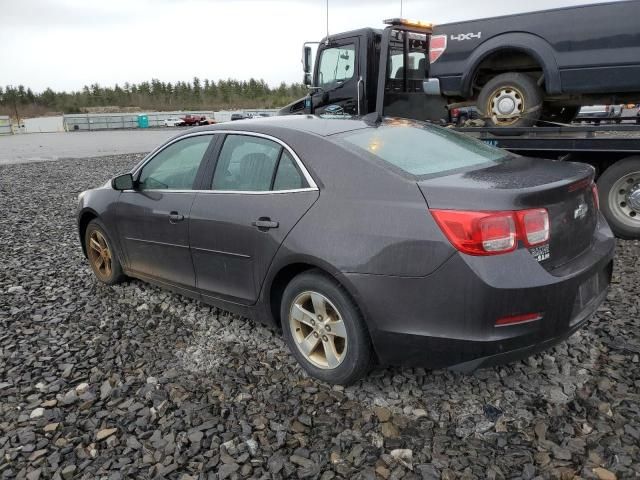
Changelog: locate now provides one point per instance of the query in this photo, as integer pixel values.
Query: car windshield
(421, 149)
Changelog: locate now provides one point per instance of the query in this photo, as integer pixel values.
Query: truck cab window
(416, 62)
(337, 65)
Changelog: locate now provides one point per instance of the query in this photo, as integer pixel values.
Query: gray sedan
(389, 242)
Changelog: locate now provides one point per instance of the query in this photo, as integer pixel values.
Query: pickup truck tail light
(493, 233)
(437, 47)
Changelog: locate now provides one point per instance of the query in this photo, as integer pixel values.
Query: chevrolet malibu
(392, 242)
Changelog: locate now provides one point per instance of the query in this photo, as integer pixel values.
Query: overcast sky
(65, 44)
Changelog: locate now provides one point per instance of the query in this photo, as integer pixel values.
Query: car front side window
(175, 167)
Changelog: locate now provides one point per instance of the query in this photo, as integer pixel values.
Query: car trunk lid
(563, 188)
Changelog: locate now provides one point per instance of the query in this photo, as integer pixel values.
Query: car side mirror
(123, 182)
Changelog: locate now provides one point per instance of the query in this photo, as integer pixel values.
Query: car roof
(322, 126)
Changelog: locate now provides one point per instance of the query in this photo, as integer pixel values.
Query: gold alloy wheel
(318, 330)
(505, 106)
(99, 255)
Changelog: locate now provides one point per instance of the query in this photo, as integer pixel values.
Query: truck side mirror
(306, 80)
(306, 59)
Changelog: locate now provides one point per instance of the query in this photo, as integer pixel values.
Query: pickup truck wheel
(511, 100)
(619, 188)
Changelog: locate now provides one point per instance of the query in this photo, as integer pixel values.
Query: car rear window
(421, 149)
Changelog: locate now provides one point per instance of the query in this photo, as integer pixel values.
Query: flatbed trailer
(623, 139)
(613, 150)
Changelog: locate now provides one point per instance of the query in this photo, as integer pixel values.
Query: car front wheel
(102, 257)
(325, 330)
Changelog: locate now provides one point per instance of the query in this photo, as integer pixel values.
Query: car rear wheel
(324, 329)
(619, 188)
(511, 100)
(102, 257)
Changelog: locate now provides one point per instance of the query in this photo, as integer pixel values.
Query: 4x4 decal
(466, 36)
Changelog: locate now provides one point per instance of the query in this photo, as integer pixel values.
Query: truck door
(338, 78)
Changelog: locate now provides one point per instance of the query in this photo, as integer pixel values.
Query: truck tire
(511, 100)
(619, 192)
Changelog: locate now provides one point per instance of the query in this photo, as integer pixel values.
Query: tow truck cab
(369, 70)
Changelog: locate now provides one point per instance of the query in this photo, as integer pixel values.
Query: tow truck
(385, 73)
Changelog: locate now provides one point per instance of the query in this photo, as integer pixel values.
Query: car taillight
(596, 196)
(437, 47)
(493, 233)
(535, 226)
(478, 233)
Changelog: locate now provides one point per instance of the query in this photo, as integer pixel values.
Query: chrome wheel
(100, 255)
(624, 199)
(506, 106)
(318, 330)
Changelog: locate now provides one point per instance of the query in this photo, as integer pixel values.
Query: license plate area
(588, 291)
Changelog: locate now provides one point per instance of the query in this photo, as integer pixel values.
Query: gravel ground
(135, 382)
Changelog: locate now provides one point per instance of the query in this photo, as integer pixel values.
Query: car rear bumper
(447, 319)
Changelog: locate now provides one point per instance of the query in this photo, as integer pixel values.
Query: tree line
(193, 95)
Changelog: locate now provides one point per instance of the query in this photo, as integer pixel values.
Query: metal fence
(5, 125)
(109, 121)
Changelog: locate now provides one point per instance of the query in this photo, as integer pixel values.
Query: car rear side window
(175, 167)
(252, 164)
(288, 177)
(421, 149)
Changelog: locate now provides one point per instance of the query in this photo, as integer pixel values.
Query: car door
(337, 77)
(258, 192)
(153, 219)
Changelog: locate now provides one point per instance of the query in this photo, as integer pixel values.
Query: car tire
(103, 258)
(337, 348)
(515, 93)
(615, 186)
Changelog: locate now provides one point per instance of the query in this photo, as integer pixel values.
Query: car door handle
(265, 223)
(175, 217)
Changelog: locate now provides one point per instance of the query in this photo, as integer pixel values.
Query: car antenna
(327, 37)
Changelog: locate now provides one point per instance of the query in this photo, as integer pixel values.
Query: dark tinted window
(288, 177)
(246, 164)
(176, 166)
(421, 149)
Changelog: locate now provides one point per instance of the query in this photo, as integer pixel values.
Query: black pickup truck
(520, 68)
